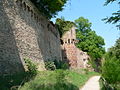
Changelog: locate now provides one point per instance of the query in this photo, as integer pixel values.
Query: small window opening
(69, 41)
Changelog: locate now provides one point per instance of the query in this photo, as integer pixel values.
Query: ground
(92, 84)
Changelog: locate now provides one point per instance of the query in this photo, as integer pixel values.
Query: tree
(115, 18)
(89, 41)
(111, 66)
(115, 50)
(63, 26)
(50, 8)
(83, 24)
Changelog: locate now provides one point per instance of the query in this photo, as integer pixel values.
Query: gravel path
(92, 84)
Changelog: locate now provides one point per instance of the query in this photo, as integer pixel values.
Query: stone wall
(25, 33)
(70, 54)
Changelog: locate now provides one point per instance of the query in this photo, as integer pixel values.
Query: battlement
(69, 37)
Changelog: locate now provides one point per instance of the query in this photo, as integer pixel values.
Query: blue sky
(94, 10)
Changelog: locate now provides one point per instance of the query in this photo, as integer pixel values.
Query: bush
(61, 64)
(32, 67)
(111, 71)
(49, 65)
(52, 65)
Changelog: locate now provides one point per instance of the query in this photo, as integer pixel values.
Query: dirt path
(92, 84)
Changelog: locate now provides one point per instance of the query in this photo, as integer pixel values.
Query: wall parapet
(27, 5)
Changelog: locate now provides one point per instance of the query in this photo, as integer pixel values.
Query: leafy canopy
(109, 1)
(115, 18)
(83, 24)
(63, 26)
(114, 51)
(50, 8)
(89, 41)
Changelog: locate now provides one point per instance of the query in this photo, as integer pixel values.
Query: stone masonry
(70, 53)
(25, 33)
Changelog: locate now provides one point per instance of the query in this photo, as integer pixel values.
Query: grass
(46, 80)
(14, 80)
(79, 79)
(6, 82)
(58, 80)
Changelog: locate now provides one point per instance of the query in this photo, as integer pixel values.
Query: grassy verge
(46, 80)
(58, 80)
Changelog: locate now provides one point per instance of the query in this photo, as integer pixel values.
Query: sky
(95, 11)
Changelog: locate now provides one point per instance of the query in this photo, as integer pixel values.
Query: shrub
(61, 64)
(56, 64)
(32, 67)
(111, 71)
(49, 65)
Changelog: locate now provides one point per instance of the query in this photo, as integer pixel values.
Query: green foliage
(104, 85)
(89, 41)
(86, 71)
(115, 18)
(109, 1)
(63, 26)
(56, 64)
(50, 8)
(58, 80)
(111, 65)
(61, 64)
(16, 80)
(32, 67)
(83, 24)
(111, 71)
(8, 81)
(60, 76)
(114, 51)
(49, 65)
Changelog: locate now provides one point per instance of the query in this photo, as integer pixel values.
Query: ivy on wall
(63, 26)
(50, 8)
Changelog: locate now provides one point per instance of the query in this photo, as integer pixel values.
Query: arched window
(62, 42)
(65, 41)
(69, 41)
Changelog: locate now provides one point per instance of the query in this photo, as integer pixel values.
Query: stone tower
(69, 48)
(25, 33)
(74, 56)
